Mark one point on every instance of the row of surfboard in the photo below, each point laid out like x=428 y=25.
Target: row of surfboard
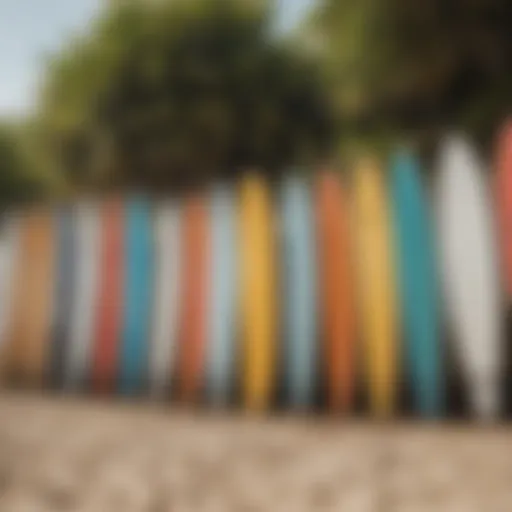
x=248 y=287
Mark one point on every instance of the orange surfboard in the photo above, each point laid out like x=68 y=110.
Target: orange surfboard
x=110 y=298
x=29 y=340
x=504 y=201
x=336 y=292
x=195 y=247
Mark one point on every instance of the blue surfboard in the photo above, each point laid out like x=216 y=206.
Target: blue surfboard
x=64 y=261
x=138 y=286
x=223 y=291
x=417 y=272
x=300 y=315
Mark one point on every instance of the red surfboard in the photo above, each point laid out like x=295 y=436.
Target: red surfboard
x=194 y=314
x=110 y=298
x=504 y=201
x=336 y=292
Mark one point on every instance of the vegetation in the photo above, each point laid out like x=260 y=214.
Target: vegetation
x=19 y=180
x=171 y=94
x=410 y=69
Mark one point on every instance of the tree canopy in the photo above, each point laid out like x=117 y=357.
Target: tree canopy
x=412 y=67
x=19 y=180
x=174 y=93
x=168 y=94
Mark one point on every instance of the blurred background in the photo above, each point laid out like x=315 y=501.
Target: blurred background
x=170 y=94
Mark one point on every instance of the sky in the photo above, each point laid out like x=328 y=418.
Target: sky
x=31 y=29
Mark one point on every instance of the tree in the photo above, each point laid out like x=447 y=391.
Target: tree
x=19 y=178
x=168 y=94
x=415 y=67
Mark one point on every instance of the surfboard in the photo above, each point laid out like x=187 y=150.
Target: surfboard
x=110 y=301
x=469 y=266
x=258 y=291
x=138 y=288
x=9 y=248
x=416 y=269
x=376 y=288
x=63 y=272
x=167 y=297
x=222 y=303
x=31 y=342
x=298 y=263
x=195 y=256
x=503 y=169
x=85 y=294
x=9 y=276
x=336 y=290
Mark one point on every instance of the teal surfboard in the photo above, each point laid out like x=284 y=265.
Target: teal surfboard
x=223 y=295
x=299 y=274
x=417 y=273
x=138 y=286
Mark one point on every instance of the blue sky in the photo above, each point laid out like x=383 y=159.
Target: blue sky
x=30 y=29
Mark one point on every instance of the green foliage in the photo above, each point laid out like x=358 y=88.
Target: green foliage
x=413 y=67
x=19 y=180
x=174 y=93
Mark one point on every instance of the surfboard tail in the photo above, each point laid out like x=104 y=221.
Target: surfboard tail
x=484 y=396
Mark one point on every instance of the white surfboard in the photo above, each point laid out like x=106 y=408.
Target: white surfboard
x=470 y=273
x=86 y=275
x=9 y=238
x=222 y=307
x=165 y=326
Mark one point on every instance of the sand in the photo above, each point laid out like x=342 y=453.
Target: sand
x=68 y=454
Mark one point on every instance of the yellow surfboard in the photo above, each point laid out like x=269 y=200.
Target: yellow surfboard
x=258 y=292
x=376 y=283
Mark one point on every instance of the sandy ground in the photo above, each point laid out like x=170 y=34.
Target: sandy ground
x=78 y=455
